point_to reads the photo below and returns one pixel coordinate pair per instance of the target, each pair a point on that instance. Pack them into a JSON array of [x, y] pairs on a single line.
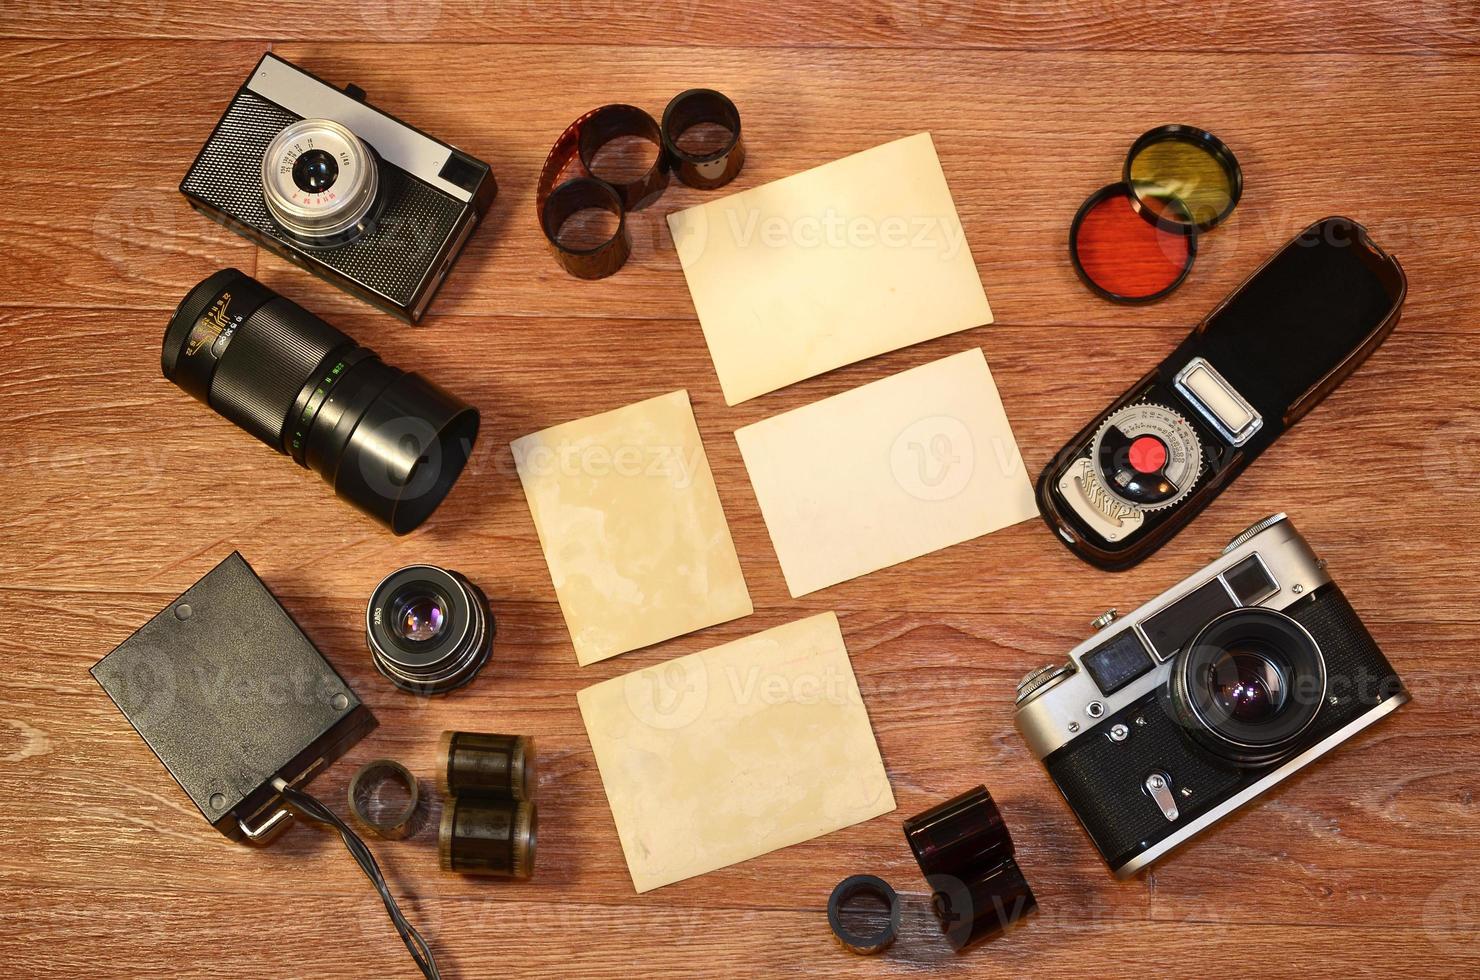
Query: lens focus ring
[[256, 386]]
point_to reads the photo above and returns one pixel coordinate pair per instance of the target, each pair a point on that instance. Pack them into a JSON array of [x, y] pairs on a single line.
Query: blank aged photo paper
[[833, 265], [735, 751], [631, 526], [887, 472]]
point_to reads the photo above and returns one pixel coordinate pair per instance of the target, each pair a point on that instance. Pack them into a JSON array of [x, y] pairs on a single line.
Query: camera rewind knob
[[1253, 529]]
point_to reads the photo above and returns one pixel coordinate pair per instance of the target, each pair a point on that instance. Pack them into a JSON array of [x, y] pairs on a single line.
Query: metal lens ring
[[1249, 684], [320, 182], [395, 825], [429, 629], [849, 889], [712, 168]]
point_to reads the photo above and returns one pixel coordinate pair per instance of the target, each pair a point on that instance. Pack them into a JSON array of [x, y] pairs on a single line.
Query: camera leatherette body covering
[[431, 194], [1256, 364]]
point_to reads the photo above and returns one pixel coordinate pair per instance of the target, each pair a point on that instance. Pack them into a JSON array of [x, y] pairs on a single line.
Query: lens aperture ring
[[339, 202]]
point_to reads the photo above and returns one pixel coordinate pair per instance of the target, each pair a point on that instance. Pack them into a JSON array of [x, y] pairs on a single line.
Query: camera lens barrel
[[1248, 685], [390, 442], [429, 629]]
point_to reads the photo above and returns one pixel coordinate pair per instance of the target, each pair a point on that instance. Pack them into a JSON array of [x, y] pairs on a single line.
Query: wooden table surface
[[119, 491]]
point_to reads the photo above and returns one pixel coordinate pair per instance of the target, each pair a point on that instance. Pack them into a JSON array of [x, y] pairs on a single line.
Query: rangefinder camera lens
[[1249, 684], [429, 629], [388, 441]]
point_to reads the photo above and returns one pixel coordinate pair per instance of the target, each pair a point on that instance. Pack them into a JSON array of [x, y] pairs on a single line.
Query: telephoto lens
[[429, 629], [388, 441]]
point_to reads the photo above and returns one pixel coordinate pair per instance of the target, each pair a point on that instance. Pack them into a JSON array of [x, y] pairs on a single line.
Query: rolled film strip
[[487, 765], [709, 169], [967, 856], [578, 147]]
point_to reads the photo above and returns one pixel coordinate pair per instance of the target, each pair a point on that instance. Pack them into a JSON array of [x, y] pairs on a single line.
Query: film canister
[[491, 837], [487, 765]]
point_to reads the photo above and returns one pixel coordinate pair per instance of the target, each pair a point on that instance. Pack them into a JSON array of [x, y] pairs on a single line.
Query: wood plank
[[1295, 26], [1023, 139], [334, 937], [1327, 845], [117, 491]]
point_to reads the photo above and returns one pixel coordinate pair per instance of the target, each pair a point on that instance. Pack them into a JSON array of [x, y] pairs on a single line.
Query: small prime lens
[[388, 441], [429, 629], [1248, 685]]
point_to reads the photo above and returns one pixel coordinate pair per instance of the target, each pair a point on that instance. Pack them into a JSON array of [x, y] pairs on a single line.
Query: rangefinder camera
[[1228, 683], [329, 182]]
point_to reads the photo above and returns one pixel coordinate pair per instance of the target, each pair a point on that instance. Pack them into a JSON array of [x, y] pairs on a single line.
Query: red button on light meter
[[1148, 454]]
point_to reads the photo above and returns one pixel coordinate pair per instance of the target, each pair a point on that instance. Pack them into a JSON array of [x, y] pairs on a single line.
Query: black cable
[[311, 808]]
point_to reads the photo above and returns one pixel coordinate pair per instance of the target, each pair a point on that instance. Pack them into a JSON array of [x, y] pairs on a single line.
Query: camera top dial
[[1147, 456], [320, 182]]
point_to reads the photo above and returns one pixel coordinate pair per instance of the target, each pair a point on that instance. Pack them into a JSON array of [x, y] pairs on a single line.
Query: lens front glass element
[[420, 618], [1247, 685], [315, 171]]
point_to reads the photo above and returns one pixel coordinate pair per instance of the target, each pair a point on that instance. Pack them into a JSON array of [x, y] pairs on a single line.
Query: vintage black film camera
[[328, 181], [1174, 716]]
